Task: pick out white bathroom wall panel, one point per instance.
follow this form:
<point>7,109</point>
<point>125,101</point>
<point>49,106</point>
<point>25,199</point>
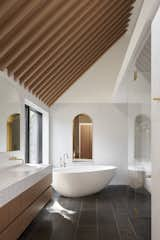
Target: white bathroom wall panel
<point>110,136</point>
<point>156,127</point>
<point>23,95</point>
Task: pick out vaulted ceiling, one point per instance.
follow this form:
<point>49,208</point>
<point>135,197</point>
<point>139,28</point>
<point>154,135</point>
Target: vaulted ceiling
<point>49,44</point>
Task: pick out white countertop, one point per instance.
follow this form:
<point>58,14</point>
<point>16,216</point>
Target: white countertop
<point>16,179</point>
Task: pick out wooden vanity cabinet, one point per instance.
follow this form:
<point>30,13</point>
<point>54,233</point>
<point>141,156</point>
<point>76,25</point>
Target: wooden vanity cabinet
<point>17,214</point>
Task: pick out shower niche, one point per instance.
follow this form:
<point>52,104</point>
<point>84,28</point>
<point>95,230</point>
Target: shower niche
<point>142,138</point>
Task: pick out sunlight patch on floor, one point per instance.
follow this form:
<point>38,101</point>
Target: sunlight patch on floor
<point>64,212</point>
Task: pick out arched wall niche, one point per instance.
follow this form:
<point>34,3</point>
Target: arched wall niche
<point>82,137</point>
<point>142,137</point>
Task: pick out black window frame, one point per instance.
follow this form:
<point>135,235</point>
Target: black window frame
<point>28,109</point>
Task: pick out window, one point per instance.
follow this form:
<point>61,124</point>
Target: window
<point>33,135</point>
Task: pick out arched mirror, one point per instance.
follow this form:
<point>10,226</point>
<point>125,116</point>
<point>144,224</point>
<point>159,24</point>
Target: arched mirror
<point>13,132</point>
<point>142,138</point>
<point>10,110</point>
<point>82,137</point>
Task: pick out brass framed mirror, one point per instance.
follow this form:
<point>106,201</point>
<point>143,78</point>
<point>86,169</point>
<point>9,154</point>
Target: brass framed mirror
<point>13,132</point>
<point>10,112</point>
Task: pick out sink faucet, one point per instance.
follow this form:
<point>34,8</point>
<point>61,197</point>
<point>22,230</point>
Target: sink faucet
<point>15,158</point>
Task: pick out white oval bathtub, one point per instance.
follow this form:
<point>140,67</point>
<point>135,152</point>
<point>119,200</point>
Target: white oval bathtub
<point>78,181</point>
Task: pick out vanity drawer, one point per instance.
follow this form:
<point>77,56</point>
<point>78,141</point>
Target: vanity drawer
<point>9,212</point>
<point>17,206</point>
<point>12,231</point>
<point>14,208</point>
<point>4,217</point>
<point>16,228</point>
<point>32,211</point>
<point>32,193</point>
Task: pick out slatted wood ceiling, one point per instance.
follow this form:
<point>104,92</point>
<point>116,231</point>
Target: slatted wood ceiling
<point>49,44</point>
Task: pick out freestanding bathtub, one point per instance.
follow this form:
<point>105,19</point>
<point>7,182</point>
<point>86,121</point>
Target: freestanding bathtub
<point>78,181</point>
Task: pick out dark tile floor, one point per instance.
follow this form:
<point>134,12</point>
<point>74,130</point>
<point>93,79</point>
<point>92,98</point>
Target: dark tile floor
<point>116,213</point>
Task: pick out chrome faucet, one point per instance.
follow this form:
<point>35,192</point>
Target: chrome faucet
<point>63,160</point>
<point>65,157</point>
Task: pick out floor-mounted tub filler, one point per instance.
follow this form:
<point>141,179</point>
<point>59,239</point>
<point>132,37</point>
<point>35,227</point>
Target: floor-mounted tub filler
<point>78,181</point>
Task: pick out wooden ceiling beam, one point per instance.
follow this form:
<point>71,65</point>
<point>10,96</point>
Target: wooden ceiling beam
<point>33,53</point>
<point>67,84</point>
<point>49,22</point>
<point>8,8</point>
<point>57,52</point>
<point>78,62</point>
<point>32,25</point>
<point>18,16</point>
<point>75,53</point>
<point>55,42</point>
<point>91,33</point>
<point>66,64</point>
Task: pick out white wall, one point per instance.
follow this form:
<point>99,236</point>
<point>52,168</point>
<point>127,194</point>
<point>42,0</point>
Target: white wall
<point>24,96</point>
<point>156,127</point>
<point>137,93</point>
<point>110,136</point>
<point>131,91</point>
<point>140,33</point>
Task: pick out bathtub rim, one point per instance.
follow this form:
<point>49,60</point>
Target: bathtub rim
<point>83,169</point>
